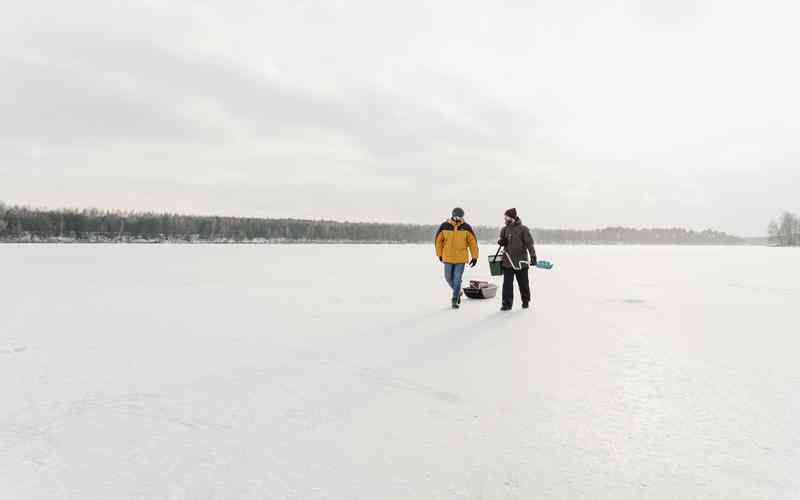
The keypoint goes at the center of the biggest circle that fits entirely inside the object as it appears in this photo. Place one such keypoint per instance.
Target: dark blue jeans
(453, 274)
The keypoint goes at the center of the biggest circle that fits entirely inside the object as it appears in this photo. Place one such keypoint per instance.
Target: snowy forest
(785, 232)
(24, 224)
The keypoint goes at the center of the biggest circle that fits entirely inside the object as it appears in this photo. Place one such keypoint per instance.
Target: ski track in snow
(241, 372)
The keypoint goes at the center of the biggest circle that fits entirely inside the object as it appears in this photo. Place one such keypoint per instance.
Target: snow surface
(340, 372)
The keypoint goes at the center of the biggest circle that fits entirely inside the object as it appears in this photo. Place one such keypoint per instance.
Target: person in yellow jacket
(456, 245)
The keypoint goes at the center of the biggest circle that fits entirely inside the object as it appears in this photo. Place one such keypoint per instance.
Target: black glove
(533, 262)
(440, 260)
(502, 242)
(473, 262)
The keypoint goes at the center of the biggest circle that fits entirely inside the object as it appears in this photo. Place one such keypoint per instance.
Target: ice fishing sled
(480, 290)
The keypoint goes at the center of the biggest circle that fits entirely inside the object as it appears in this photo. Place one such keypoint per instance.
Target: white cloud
(578, 113)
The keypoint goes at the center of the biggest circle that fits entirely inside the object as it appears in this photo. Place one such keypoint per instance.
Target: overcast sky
(581, 114)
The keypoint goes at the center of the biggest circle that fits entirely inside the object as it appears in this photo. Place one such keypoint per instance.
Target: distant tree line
(655, 236)
(785, 231)
(88, 225)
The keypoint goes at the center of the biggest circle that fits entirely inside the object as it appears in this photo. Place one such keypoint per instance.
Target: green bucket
(495, 266)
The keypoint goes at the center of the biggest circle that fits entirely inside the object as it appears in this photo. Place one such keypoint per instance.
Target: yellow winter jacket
(455, 241)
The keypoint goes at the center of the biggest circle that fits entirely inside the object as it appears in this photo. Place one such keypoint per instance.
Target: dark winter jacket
(518, 241)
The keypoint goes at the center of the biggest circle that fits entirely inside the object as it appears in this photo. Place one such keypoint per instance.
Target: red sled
(480, 290)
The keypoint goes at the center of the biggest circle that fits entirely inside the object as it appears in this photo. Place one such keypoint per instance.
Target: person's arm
(439, 242)
(528, 240)
(473, 244)
(502, 241)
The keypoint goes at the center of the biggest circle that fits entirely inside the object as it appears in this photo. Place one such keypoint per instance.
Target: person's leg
(448, 274)
(524, 285)
(508, 287)
(458, 273)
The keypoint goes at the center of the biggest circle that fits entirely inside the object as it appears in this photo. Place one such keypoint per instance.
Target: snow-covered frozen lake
(340, 372)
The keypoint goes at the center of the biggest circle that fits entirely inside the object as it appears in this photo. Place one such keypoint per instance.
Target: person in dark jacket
(519, 255)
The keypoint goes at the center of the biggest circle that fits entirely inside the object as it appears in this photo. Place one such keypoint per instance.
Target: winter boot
(456, 301)
(525, 305)
(505, 308)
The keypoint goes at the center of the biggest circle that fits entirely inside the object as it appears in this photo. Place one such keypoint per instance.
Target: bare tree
(774, 233)
(789, 229)
(3, 224)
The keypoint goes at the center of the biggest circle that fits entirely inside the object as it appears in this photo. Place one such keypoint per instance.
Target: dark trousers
(508, 285)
